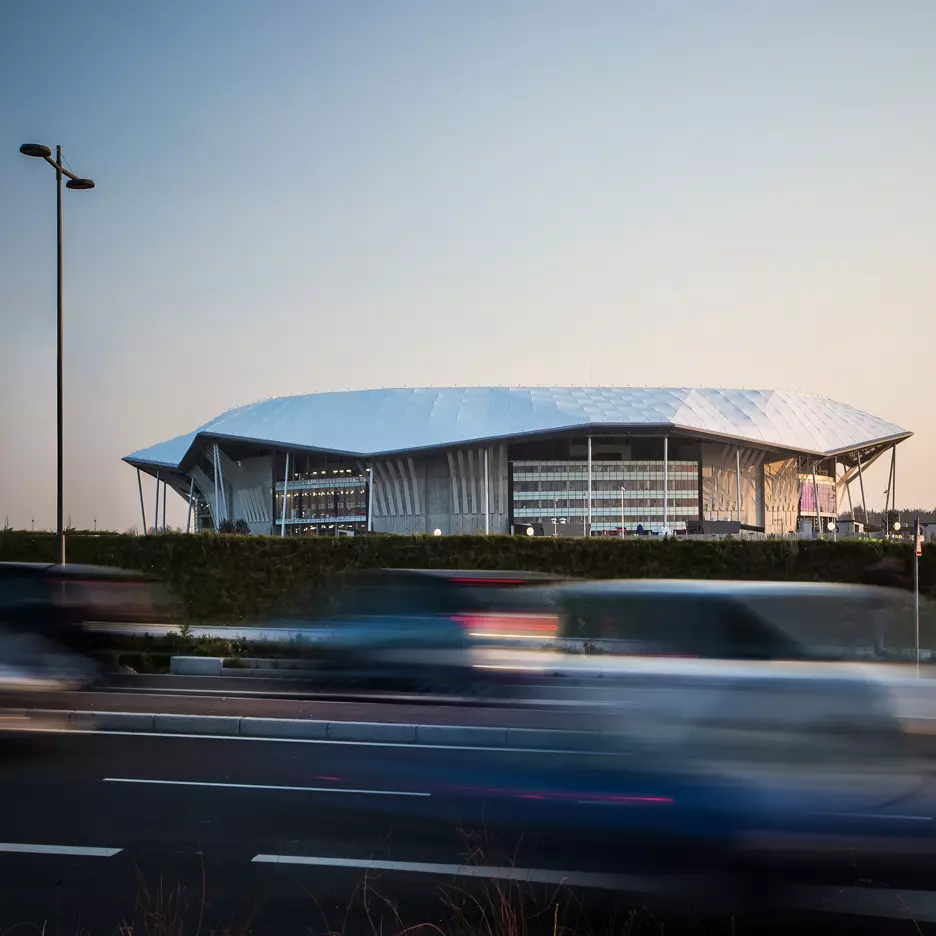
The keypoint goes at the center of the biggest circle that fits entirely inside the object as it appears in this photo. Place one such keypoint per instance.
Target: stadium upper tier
(379, 422)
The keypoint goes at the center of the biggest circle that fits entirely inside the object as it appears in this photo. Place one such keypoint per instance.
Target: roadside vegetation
(238, 578)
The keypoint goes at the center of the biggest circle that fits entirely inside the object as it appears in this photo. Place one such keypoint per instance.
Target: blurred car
(732, 620)
(743, 692)
(421, 624)
(34, 664)
(45, 609)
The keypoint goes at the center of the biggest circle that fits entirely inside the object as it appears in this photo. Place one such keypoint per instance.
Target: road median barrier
(112, 721)
(302, 729)
(461, 736)
(386, 732)
(196, 666)
(198, 724)
(307, 728)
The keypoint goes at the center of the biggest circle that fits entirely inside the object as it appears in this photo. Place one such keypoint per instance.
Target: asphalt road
(95, 829)
(152, 815)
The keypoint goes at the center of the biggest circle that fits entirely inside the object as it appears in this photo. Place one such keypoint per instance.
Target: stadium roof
(372, 422)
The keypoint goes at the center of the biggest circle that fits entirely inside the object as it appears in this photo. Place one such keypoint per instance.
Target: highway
(287, 834)
(135, 810)
(99, 827)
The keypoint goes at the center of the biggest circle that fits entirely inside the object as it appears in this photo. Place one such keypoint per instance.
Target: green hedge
(231, 578)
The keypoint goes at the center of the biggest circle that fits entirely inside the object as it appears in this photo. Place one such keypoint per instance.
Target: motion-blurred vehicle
(418, 624)
(743, 693)
(698, 656)
(734, 620)
(45, 610)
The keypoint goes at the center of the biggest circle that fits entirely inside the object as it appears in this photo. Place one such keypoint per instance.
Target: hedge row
(231, 578)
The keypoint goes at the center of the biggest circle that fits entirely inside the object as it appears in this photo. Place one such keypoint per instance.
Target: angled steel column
(156, 512)
(864, 503)
(835, 509)
(285, 492)
(815, 485)
(216, 511)
(188, 515)
(224, 507)
(142, 507)
(889, 502)
(370, 498)
(894, 479)
(738, 485)
(165, 498)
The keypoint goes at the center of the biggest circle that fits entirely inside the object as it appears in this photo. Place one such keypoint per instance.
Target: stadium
(570, 461)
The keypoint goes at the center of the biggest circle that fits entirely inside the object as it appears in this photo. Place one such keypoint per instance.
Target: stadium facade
(569, 461)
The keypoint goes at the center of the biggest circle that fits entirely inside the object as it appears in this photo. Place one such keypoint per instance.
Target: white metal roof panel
(369, 422)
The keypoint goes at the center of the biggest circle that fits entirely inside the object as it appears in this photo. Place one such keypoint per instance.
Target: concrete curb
(531, 739)
(195, 666)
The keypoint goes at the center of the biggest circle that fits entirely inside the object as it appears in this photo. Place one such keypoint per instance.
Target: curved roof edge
(382, 422)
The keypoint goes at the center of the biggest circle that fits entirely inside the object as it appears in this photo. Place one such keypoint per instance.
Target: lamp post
(623, 489)
(556, 520)
(74, 182)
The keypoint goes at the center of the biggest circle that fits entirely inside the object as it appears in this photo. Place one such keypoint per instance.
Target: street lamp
(557, 519)
(623, 489)
(74, 182)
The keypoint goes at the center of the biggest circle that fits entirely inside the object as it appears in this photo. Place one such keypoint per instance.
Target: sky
(295, 196)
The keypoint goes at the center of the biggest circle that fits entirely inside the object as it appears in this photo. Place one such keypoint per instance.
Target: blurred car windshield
(390, 593)
(707, 626)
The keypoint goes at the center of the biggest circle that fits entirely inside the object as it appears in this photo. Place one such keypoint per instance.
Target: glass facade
(321, 502)
(201, 519)
(827, 505)
(542, 490)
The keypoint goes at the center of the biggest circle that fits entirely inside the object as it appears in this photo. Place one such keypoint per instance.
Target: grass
(472, 907)
(148, 654)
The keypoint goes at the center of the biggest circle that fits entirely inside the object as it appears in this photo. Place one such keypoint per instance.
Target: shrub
(231, 578)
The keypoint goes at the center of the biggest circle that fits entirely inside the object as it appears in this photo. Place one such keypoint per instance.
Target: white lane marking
(386, 744)
(867, 815)
(83, 850)
(916, 905)
(529, 875)
(262, 786)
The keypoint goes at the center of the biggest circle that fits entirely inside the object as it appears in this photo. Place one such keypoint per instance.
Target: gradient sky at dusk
(297, 196)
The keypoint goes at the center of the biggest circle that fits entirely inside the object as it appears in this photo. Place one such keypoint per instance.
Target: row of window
(308, 484)
(325, 529)
(652, 497)
(620, 475)
(605, 489)
(323, 505)
(300, 517)
(630, 528)
(603, 467)
(637, 510)
(299, 493)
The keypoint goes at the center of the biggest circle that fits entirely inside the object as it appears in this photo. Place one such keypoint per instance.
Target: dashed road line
(262, 786)
(86, 851)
